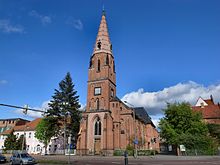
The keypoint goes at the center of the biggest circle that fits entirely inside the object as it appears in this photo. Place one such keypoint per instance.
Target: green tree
(64, 106)
(21, 142)
(214, 130)
(45, 130)
(10, 142)
(181, 125)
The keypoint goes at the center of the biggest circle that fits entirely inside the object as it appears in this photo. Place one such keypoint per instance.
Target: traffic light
(25, 109)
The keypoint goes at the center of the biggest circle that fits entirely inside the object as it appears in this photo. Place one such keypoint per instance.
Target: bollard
(126, 157)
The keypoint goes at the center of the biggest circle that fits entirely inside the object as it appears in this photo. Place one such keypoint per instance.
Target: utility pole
(25, 110)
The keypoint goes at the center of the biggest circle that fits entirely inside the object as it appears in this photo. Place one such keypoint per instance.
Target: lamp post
(24, 137)
(63, 107)
(135, 129)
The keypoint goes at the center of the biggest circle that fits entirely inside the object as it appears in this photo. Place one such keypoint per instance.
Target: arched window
(90, 63)
(107, 60)
(98, 127)
(98, 67)
(97, 104)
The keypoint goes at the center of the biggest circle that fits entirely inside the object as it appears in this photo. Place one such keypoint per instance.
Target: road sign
(135, 141)
(182, 148)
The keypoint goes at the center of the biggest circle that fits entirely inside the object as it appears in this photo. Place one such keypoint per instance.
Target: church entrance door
(97, 146)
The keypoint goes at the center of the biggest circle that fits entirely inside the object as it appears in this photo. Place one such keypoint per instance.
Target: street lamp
(24, 137)
(135, 129)
(63, 108)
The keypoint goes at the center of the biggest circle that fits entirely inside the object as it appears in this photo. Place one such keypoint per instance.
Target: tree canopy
(214, 130)
(14, 143)
(45, 131)
(181, 125)
(64, 105)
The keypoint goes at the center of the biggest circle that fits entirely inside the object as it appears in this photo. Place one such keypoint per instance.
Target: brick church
(107, 123)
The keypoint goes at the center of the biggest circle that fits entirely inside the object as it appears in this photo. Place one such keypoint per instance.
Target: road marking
(116, 163)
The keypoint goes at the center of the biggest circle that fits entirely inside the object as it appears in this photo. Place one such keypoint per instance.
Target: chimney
(211, 98)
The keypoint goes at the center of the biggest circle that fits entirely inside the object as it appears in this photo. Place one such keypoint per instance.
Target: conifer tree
(10, 142)
(64, 106)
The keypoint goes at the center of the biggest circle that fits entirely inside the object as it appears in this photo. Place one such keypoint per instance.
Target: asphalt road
(146, 162)
(164, 160)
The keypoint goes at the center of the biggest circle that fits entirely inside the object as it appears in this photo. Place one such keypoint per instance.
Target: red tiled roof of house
(30, 126)
(209, 102)
(7, 132)
(211, 111)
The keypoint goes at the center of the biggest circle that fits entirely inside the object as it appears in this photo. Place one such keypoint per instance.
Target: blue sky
(157, 45)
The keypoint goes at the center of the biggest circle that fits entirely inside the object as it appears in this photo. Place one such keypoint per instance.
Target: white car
(21, 159)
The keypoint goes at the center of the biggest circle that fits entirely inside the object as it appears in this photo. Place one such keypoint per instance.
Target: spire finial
(103, 9)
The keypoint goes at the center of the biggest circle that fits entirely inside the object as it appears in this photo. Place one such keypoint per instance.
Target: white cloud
(3, 82)
(34, 114)
(154, 102)
(7, 27)
(76, 23)
(43, 18)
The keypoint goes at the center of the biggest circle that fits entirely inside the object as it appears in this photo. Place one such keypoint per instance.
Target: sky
(165, 50)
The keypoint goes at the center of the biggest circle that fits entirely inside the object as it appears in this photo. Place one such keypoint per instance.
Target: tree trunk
(177, 150)
(46, 149)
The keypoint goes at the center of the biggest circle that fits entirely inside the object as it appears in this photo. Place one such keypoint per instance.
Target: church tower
(96, 134)
(101, 81)
(108, 124)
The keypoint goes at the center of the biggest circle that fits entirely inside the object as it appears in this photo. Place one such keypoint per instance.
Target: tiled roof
(142, 114)
(210, 111)
(30, 126)
(7, 132)
(13, 119)
(209, 102)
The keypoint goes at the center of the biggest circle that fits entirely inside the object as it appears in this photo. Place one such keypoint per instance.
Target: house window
(97, 91)
(29, 134)
(98, 127)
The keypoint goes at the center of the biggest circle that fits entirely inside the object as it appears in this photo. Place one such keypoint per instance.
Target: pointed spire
(103, 43)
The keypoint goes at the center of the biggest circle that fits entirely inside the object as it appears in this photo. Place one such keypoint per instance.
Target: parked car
(21, 159)
(2, 158)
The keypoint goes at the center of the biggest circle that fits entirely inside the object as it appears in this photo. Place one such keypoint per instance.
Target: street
(154, 160)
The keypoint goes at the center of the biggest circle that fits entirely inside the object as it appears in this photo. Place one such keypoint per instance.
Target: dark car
(2, 158)
(21, 158)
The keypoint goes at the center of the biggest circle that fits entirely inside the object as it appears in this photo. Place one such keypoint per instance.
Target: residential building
(6, 125)
(108, 124)
(209, 110)
(33, 145)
